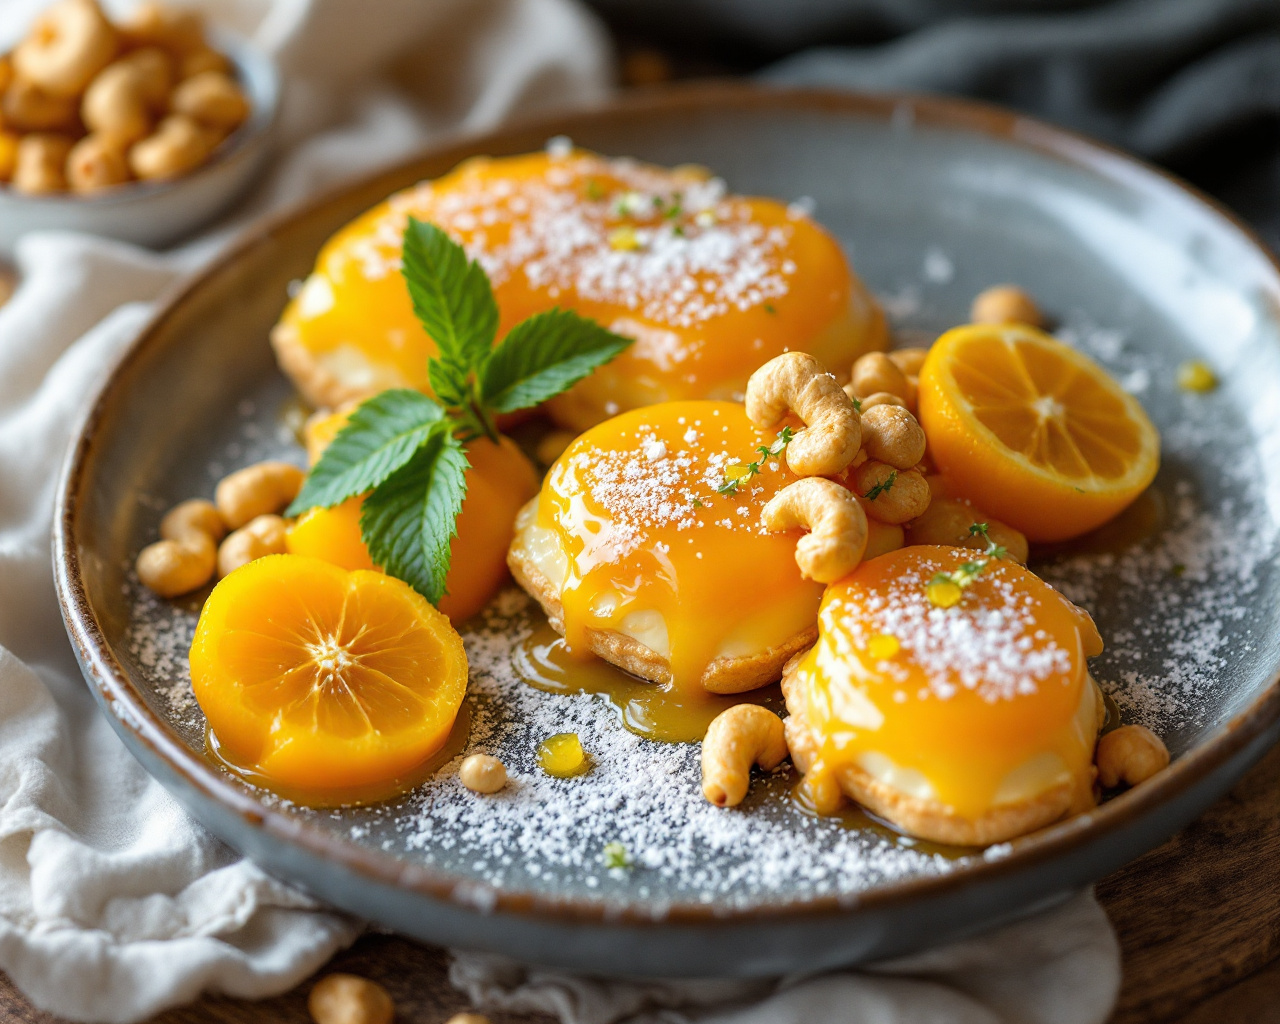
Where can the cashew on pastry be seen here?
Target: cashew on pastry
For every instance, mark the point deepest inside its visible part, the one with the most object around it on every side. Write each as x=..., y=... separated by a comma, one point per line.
x=796, y=382
x=739, y=737
x=837, y=526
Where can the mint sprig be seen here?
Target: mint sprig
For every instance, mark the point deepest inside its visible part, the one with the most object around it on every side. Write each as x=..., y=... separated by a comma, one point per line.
x=406, y=449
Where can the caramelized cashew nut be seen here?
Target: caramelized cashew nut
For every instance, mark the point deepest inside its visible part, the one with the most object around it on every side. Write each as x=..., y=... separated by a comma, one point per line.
x=185, y=557
x=891, y=434
x=1130, y=754
x=483, y=773
x=892, y=495
x=28, y=108
x=70, y=43
x=96, y=162
x=257, y=490
x=350, y=999
x=211, y=98
x=115, y=103
x=947, y=521
x=1006, y=304
x=837, y=526
x=740, y=736
x=178, y=145
x=40, y=164
x=264, y=535
x=875, y=372
x=796, y=382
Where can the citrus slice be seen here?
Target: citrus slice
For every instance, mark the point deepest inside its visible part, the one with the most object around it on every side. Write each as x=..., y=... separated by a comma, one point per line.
x=318, y=679
x=1033, y=431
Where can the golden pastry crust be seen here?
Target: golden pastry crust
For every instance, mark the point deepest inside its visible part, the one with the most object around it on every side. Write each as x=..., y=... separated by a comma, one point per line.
x=320, y=386
x=929, y=819
x=724, y=675
x=863, y=328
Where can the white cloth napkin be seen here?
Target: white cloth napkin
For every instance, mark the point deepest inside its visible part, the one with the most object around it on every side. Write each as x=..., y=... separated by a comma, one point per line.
x=1060, y=967
x=113, y=904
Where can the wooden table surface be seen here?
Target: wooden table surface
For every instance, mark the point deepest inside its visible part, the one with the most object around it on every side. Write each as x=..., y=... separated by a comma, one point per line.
x=1198, y=920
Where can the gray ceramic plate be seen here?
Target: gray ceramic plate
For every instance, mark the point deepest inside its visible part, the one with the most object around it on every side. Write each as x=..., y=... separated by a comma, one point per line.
x=933, y=201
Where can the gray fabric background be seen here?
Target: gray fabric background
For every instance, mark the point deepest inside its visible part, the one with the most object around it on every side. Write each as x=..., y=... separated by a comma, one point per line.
x=1191, y=84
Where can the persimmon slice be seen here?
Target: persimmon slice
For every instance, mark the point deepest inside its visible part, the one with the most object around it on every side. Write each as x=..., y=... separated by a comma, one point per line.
x=319, y=679
x=1033, y=431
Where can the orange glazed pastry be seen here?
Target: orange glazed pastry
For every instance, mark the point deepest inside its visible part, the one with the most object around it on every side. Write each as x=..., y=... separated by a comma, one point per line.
x=499, y=481
x=635, y=554
x=969, y=723
x=710, y=285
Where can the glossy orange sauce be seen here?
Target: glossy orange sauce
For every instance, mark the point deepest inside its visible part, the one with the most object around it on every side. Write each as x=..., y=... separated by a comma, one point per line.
x=647, y=709
x=970, y=693
x=710, y=285
x=634, y=505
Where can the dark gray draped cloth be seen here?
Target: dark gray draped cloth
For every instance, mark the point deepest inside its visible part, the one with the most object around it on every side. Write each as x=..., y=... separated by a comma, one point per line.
x=1191, y=84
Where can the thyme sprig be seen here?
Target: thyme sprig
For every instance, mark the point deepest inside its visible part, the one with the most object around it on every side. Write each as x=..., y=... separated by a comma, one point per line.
x=741, y=474
x=967, y=572
x=883, y=487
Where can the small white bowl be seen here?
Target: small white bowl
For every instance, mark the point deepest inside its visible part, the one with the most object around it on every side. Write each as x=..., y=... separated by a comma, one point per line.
x=158, y=214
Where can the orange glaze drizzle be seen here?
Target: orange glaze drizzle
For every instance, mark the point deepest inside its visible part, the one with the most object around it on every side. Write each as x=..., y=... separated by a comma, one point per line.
x=624, y=502
x=710, y=285
x=973, y=692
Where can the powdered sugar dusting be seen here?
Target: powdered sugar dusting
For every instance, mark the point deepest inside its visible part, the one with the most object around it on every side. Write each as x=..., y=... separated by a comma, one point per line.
x=989, y=643
x=676, y=251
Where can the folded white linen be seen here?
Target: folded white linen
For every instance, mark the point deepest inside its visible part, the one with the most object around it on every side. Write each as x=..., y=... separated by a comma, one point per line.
x=113, y=904
x=1059, y=967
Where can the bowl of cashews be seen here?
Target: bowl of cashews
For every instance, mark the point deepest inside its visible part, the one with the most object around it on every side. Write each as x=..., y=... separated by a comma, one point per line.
x=140, y=130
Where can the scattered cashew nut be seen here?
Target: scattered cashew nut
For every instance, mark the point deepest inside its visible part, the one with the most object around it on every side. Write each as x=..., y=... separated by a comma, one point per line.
x=875, y=372
x=837, y=526
x=947, y=521
x=892, y=495
x=185, y=556
x=264, y=535
x=257, y=490
x=211, y=98
x=483, y=773
x=116, y=104
x=69, y=43
x=28, y=108
x=796, y=382
x=96, y=162
x=909, y=360
x=349, y=999
x=1005, y=304
x=178, y=145
x=1130, y=754
x=740, y=736
x=891, y=434
x=39, y=165
x=468, y=1018
x=180, y=29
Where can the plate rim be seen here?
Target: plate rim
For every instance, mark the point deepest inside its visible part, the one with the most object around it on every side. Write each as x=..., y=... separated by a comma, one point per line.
x=120, y=699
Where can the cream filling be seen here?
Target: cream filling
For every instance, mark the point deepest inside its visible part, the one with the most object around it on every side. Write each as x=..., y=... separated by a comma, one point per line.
x=1038, y=774
x=358, y=372
x=316, y=297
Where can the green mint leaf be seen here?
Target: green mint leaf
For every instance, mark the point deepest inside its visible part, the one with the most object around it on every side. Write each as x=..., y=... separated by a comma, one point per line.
x=448, y=381
x=451, y=295
x=542, y=356
x=409, y=521
x=381, y=436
